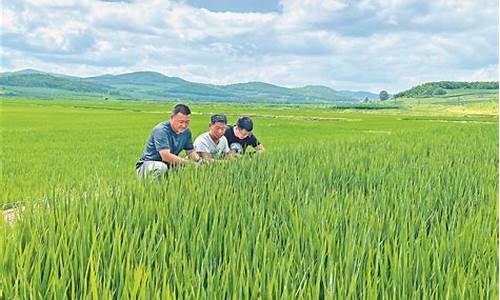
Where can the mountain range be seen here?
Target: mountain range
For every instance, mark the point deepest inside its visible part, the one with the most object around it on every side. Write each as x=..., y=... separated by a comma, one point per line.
x=156, y=86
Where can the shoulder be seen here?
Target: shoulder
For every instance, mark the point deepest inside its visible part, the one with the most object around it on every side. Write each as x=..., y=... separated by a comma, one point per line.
x=162, y=128
x=201, y=137
x=165, y=125
x=229, y=134
x=229, y=130
x=252, y=136
x=252, y=140
x=223, y=140
x=187, y=133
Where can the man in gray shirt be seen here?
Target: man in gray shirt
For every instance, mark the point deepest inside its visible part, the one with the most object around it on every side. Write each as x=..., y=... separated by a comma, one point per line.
x=165, y=143
x=213, y=144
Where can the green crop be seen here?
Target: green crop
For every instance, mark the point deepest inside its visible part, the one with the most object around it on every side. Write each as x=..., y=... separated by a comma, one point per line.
x=350, y=206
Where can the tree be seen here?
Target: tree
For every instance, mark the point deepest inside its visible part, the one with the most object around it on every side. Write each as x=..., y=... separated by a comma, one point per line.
x=439, y=91
x=384, y=95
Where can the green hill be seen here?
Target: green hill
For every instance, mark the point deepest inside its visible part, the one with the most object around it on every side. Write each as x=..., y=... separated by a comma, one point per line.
x=138, y=78
x=441, y=88
x=43, y=80
x=459, y=98
x=323, y=92
x=156, y=86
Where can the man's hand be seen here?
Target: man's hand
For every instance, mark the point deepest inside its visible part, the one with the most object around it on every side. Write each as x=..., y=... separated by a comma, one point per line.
x=205, y=156
x=232, y=155
x=193, y=155
x=260, y=149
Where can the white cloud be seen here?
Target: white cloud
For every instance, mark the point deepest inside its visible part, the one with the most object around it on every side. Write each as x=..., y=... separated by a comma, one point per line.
x=191, y=24
x=484, y=74
x=56, y=38
x=9, y=22
x=103, y=46
x=54, y=3
x=369, y=44
x=301, y=14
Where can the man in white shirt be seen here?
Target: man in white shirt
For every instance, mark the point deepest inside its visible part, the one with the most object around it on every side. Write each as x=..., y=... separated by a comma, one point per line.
x=213, y=144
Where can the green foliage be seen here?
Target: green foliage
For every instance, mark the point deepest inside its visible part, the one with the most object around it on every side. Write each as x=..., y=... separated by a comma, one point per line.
x=427, y=89
x=439, y=91
x=54, y=82
x=383, y=95
x=381, y=207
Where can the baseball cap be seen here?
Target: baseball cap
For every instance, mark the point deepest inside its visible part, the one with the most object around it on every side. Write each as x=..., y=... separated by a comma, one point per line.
x=218, y=118
x=245, y=123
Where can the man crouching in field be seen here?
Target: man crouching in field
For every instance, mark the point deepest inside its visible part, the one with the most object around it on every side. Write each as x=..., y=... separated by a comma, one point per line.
x=165, y=143
x=240, y=136
x=213, y=144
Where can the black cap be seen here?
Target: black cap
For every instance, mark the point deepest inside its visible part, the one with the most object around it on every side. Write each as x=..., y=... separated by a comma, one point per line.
x=245, y=123
x=218, y=118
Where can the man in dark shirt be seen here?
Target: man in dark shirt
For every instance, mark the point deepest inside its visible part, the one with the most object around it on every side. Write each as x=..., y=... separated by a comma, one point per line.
x=165, y=143
x=240, y=136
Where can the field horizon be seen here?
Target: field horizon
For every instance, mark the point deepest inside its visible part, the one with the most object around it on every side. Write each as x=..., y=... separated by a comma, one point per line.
x=378, y=201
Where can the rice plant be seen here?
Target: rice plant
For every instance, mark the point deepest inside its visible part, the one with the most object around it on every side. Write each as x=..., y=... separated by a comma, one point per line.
x=356, y=215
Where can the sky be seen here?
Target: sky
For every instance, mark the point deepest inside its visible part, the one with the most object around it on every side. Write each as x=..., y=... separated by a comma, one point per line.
x=369, y=45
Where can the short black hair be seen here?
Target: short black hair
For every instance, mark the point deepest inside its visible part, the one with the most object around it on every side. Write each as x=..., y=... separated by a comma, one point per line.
x=245, y=123
x=181, y=108
x=218, y=118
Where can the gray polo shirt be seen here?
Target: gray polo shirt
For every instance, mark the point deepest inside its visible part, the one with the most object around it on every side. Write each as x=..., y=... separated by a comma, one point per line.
x=204, y=143
x=163, y=137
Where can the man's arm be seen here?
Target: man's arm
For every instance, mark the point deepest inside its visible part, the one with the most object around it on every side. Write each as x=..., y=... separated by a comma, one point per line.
x=190, y=149
x=171, y=158
x=202, y=149
x=228, y=154
x=254, y=142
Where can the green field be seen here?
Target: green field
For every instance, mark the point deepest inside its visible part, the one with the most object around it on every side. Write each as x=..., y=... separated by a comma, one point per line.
x=345, y=204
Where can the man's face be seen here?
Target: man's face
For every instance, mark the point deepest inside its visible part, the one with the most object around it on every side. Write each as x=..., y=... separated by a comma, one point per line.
x=180, y=122
x=217, y=130
x=240, y=132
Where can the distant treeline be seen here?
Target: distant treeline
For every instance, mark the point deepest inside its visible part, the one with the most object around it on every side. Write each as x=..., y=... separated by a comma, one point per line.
x=439, y=88
x=146, y=85
x=49, y=81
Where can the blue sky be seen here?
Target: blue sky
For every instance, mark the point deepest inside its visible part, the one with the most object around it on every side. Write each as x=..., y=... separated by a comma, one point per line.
x=344, y=44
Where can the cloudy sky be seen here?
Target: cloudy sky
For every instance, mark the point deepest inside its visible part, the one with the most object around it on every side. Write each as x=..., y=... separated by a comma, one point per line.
x=344, y=44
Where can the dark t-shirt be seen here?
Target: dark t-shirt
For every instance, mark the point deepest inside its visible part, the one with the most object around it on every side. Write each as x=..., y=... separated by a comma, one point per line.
x=163, y=137
x=250, y=140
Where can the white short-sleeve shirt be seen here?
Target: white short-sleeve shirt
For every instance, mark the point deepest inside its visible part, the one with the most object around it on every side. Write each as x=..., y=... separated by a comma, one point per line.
x=204, y=143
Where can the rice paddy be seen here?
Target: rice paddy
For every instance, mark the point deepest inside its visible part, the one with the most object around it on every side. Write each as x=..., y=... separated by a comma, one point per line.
x=343, y=205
